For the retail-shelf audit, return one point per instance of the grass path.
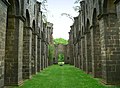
(63, 77)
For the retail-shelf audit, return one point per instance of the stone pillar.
(34, 53)
(110, 48)
(83, 59)
(80, 54)
(39, 55)
(14, 50)
(27, 47)
(88, 52)
(96, 51)
(74, 55)
(71, 54)
(76, 52)
(3, 18)
(45, 55)
(42, 54)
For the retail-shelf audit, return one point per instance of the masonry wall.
(21, 41)
(98, 39)
(3, 18)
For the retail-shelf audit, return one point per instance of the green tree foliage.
(60, 41)
(60, 58)
(51, 51)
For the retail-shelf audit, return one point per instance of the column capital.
(17, 16)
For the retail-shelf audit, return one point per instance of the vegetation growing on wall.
(60, 41)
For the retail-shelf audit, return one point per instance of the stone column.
(34, 53)
(71, 54)
(47, 55)
(39, 55)
(14, 50)
(42, 54)
(27, 47)
(74, 55)
(110, 48)
(96, 51)
(45, 58)
(3, 18)
(83, 59)
(88, 52)
(80, 54)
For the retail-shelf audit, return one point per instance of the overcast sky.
(61, 23)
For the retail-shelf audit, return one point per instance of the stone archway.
(14, 42)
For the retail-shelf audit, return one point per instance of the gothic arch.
(14, 8)
(33, 25)
(94, 18)
(88, 24)
(27, 18)
(109, 6)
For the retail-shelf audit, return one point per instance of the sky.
(61, 24)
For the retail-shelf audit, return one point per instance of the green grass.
(65, 76)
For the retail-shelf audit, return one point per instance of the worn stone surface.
(20, 41)
(3, 18)
(61, 49)
(27, 45)
(99, 36)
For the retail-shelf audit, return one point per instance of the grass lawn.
(65, 76)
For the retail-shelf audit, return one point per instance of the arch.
(88, 25)
(33, 25)
(109, 6)
(105, 6)
(14, 8)
(94, 19)
(27, 18)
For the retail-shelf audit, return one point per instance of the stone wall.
(21, 38)
(99, 36)
(61, 49)
(3, 18)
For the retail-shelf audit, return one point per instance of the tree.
(67, 15)
(76, 8)
(60, 41)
